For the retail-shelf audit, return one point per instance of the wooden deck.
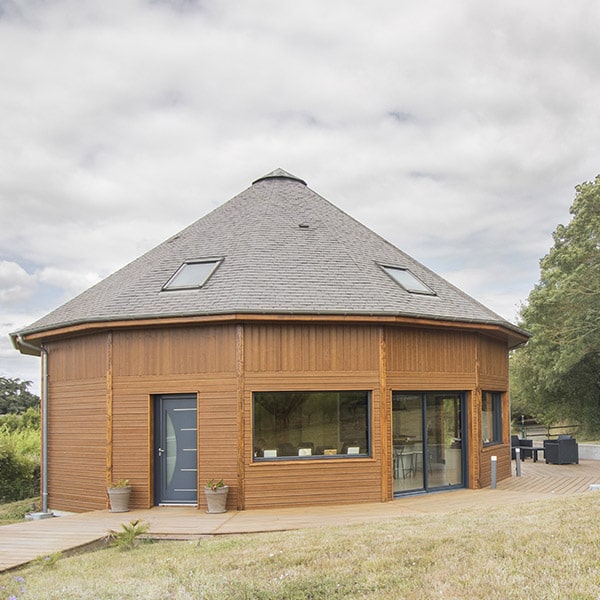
(552, 480)
(23, 542)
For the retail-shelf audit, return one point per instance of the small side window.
(491, 418)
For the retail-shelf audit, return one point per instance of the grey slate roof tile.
(330, 265)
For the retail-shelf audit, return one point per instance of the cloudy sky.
(456, 130)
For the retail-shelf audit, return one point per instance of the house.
(283, 346)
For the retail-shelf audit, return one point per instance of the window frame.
(496, 421)
(169, 287)
(423, 289)
(301, 458)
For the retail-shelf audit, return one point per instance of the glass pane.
(491, 417)
(444, 440)
(306, 424)
(171, 449)
(407, 424)
(408, 281)
(191, 275)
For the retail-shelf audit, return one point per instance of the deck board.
(23, 542)
(541, 478)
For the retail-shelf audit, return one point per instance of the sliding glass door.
(427, 440)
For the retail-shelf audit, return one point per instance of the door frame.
(156, 466)
(464, 408)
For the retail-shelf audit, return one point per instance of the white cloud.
(72, 282)
(455, 130)
(16, 285)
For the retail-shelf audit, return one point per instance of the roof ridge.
(279, 174)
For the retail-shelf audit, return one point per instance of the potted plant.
(119, 494)
(216, 496)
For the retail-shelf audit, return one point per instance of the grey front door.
(175, 449)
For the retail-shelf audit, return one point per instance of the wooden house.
(283, 346)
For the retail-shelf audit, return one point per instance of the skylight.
(192, 274)
(408, 281)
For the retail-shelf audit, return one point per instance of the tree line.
(556, 375)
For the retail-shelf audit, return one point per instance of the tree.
(15, 396)
(556, 377)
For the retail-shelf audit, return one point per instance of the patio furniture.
(524, 445)
(562, 451)
(536, 451)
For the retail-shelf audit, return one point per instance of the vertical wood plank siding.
(92, 377)
(306, 348)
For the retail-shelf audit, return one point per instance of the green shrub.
(20, 472)
(29, 420)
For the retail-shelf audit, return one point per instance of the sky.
(456, 130)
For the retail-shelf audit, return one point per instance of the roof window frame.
(170, 285)
(422, 288)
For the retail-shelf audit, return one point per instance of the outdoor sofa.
(562, 451)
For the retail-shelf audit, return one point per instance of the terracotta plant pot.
(119, 498)
(217, 499)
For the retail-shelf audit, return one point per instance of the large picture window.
(491, 418)
(310, 424)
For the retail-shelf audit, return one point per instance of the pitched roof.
(284, 250)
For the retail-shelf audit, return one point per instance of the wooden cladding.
(78, 359)
(289, 348)
(177, 351)
(503, 464)
(102, 385)
(430, 351)
(494, 358)
(77, 445)
(290, 483)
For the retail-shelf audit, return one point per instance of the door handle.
(160, 451)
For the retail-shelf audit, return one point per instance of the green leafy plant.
(48, 561)
(120, 484)
(215, 485)
(20, 475)
(19, 456)
(127, 538)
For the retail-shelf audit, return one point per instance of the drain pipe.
(44, 407)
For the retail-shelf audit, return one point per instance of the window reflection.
(308, 424)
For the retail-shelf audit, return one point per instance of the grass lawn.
(543, 550)
(14, 512)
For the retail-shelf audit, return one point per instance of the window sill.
(490, 445)
(291, 460)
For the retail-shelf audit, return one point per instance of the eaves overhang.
(32, 348)
(515, 336)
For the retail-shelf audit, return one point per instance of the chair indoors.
(403, 462)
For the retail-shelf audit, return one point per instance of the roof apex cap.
(279, 174)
